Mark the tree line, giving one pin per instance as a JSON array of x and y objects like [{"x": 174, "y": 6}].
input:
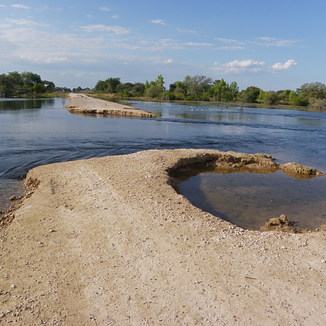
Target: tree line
[
  {"x": 192, "y": 88},
  {"x": 26, "y": 84},
  {"x": 202, "y": 88}
]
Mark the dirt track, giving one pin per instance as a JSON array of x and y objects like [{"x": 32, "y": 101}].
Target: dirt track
[{"x": 108, "y": 241}]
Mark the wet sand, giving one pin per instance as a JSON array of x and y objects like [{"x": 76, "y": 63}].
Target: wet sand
[
  {"x": 108, "y": 241},
  {"x": 83, "y": 104}
]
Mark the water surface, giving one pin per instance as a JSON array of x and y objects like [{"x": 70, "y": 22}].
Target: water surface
[
  {"x": 35, "y": 132},
  {"x": 250, "y": 199}
]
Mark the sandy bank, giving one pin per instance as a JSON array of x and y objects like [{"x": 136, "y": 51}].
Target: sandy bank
[
  {"x": 83, "y": 104},
  {"x": 108, "y": 241}
]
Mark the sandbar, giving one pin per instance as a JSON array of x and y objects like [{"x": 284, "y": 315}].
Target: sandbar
[
  {"x": 109, "y": 241},
  {"x": 83, "y": 104}
]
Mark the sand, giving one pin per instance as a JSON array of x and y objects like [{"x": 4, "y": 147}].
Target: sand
[
  {"x": 83, "y": 104},
  {"x": 109, "y": 241}
]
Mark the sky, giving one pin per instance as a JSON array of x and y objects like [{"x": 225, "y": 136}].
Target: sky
[{"x": 273, "y": 45}]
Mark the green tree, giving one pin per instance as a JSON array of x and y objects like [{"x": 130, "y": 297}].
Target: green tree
[
  {"x": 233, "y": 91},
  {"x": 100, "y": 86},
  {"x": 261, "y": 97},
  {"x": 297, "y": 99},
  {"x": 160, "y": 82},
  {"x": 155, "y": 89},
  {"x": 219, "y": 90},
  {"x": 16, "y": 82},
  {"x": 178, "y": 91},
  {"x": 30, "y": 80},
  {"x": 6, "y": 86},
  {"x": 50, "y": 86},
  {"x": 38, "y": 89},
  {"x": 250, "y": 94},
  {"x": 112, "y": 84},
  {"x": 312, "y": 91},
  {"x": 138, "y": 89},
  {"x": 109, "y": 85},
  {"x": 270, "y": 98},
  {"x": 283, "y": 96},
  {"x": 224, "y": 92},
  {"x": 196, "y": 86}
]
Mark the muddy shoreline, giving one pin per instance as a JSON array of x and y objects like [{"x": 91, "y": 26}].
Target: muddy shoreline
[{"x": 110, "y": 241}]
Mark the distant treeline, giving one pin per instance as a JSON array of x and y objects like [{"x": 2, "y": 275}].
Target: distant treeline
[
  {"x": 27, "y": 84},
  {"x": 196, "y": 88},
  {"x": 16, "y": 84},
  {"x": 202, "y": 88}
]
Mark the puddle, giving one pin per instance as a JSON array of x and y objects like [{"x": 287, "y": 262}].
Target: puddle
[{"x": 249, "y": 199}]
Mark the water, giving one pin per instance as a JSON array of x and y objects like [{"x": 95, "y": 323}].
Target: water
[
  {"x": 250, "y": 199},
  {"x": 35, "y": 132}
]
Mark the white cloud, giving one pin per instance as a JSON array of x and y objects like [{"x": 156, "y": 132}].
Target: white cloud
[
  {"x": 197, "y": 44},
  {"x": 230, "y": 41},
  {"x": 104, "y": 28},
  {"x": 104, "y": 9},
  {"x": 235, "y": 47},
  {"x": 248, "y": 63},
  {"x": 260, "y": 41},
  {"x": 276, "y": 42},
  {"x": 24, "y": 22},
  {"x": 5, "y": 26},
  {"x": 157, "y": 21},
  {"x": 169, "y": 61},
  {"x": 19, "y": 6},
  {"x": 115, "y": 16},
  {"x": 278, "y": 66},
  {"x": 239, "y": 66},
  {"x": 39, "y": 47},
  {"x": 43, "y": 58},
  {"x": 188, "y": 31},
  {"x": 158, "y": 45}
]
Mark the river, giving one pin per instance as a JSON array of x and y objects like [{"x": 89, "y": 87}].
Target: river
[{"x": 36, "y": 132}]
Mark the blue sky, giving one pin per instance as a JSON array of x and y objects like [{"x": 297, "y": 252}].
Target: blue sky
[{"x": 270, "y": 44}]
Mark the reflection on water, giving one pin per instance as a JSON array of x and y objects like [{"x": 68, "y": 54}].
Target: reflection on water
[
  {"x": 22, "y": 104},
  {"x": 250, "y": 199}
]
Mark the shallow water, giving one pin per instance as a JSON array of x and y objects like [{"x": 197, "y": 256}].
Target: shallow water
[
  {"x": 36, "y": 132},
  {"x": 250, "y": 199}
]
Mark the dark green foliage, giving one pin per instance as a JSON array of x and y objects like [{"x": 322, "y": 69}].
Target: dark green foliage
[
  {"x": 297, "y": 99},
  {"x": 108, "y": 86},
  {"x": 313, "y": 91},
  {"x": 155, "y": 89},
  {"x": 224, "y": 92},
  {"x": 250, "y": 94},
  {"x": 28, "y": 84},
  {"x": 270, "y": 98}
]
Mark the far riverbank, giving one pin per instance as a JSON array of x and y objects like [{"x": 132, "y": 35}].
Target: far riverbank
[{"x": 112, "y": 97}]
